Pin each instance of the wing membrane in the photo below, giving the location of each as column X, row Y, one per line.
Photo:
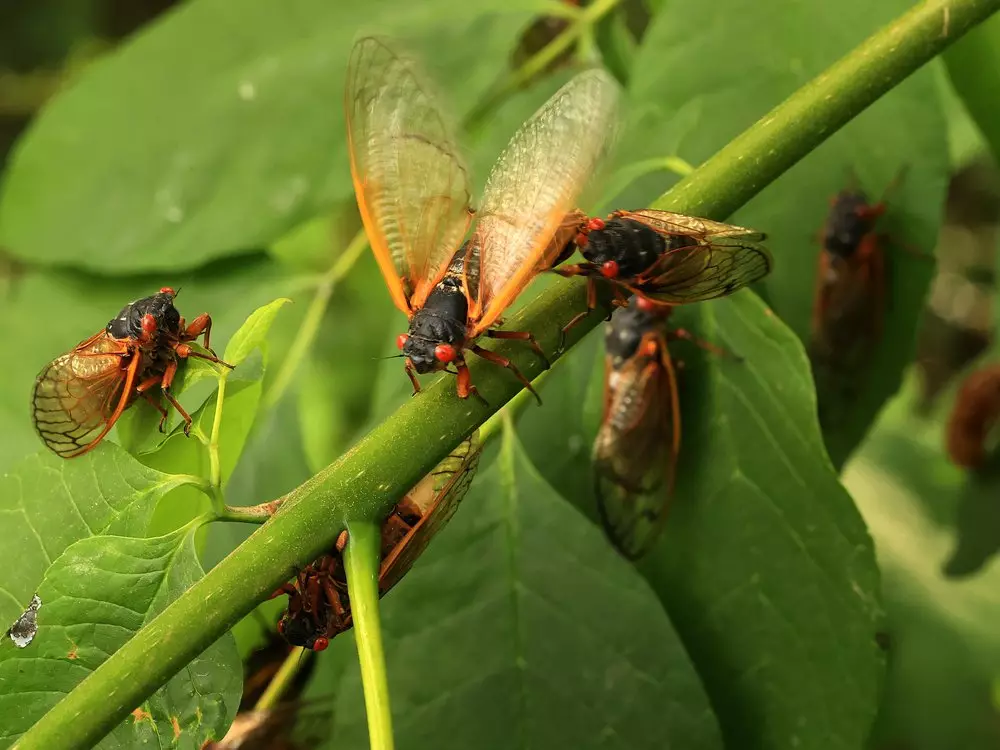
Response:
column 669, row 222
column 635, row 454
column 79, row 396
column 411, row 184
column 534, row 185
column 437, row 496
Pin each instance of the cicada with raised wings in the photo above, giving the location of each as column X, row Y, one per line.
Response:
column 663, row 256
column 637, row 447
column 414, row 196
column 319, row 607
column 80, row 395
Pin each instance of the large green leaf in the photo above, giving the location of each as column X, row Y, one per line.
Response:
column 691, row 95
column 974, row 67
column 521, row 628
column 765, row 567
column 942, row 584
column 48, row 503
column 210, row 133
column 95, row 596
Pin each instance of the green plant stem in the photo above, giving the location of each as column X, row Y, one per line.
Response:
column 314, row 317
column 290, row 667
column 365, row 482
column 361, row 563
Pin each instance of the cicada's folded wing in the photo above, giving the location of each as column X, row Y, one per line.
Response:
column 721, row 259
column 411, row 184
column 668, row 222
column 437, row 496
column 635, row 453
column 532, row 188
column 79, row 396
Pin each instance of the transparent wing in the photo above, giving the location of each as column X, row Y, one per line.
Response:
column 669, row 222
column 534, row 185
column 411, row 184
column 78, row 396
column 437, row 496
column 635, row 453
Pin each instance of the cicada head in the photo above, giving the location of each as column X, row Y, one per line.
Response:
column 147, row 317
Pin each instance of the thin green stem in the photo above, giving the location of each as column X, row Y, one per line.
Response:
column 314, row 317
column 366, row 481
column 280, row 683
column 361, row 563
column 580, row 22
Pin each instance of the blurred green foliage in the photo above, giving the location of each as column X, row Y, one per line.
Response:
column 206, row 151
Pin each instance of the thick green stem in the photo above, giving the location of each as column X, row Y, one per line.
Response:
column 365, row 482
column 361, row 563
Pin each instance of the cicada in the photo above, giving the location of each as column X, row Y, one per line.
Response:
column 414, row 197
column 79, row 396
column 850, row 282
column 663, row 256
column 973, row 418
column 319, row 607
column 637, row 447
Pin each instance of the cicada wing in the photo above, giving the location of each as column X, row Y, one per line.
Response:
column 845, row 316
column 635, row 453
column 703, row 271
column 411, row 183
column 437, row 496
column 79, row 396
column 668, row 222
column 534, row 186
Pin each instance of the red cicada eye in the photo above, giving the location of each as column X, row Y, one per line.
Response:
column 581, row 240
column 444, row 353
column 320, row 644
column 148, row 324
column 609, row 269
column 595, row 224
column 401, row 340
column 281, row 626
column 168, row 290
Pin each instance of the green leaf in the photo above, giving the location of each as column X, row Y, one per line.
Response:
column 693, row 110
column 974, row 68
column 518, row 594
column 942, row 600
column 95, row 596
column 48, row 503
column 190, row 142
column 252, row 334
column 764, row 562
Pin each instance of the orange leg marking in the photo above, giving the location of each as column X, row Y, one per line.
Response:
column 681, row 333
column 412, row 375
column 464, row 385
column 591, row 304
column 503, row 362
column 521, row 336
column 159, row 407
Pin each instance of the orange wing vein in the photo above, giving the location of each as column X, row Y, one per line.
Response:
column 411, row 184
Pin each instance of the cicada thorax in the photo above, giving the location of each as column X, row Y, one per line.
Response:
column 625, row 248
column 973, row 418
